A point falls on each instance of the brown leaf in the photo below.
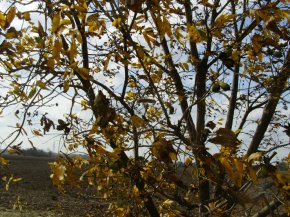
(137, 121)
(225, 137)
(164, 151)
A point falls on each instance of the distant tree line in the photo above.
(37, 153)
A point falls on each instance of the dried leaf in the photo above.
(240, 172)
(32, 92)
(2, 20)
(84, 73)
(188, 161)
(55, 23)
(41, 84)
(164, 151)
(66, 86)
(255, 156)
(17, 180)
(4, 162)
(10, 16)
(194, 34)
(225, 137)
(137, 121)
(26, 16)
(227, 165)
(56, 50)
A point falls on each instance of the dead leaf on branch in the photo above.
(133, 5)
(137, 121)
(46, 123)
(163, 150)
(255, 156)
(104, 113)
(225, 137)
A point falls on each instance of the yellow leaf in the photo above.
(223, 19)
(84, 73)
(225, 162)
(66, 86)
(41, 84)
(74, 65)
(168, 202)
(255, 156)
(117, 22)
(56, 50)
(2, 20)
(237, 131)
(10, 16)
(167, 27)
(239, 165)
(179, 36)
(26, 16)
(140, 52)
(50, 63)
(136, 190)
(81, 8)
(260, 56)
(55, 23)
(251, 55)
(194, 34)
(188, 161)
(147, 38)
(58, 173)
(207, 4)
(11, 34)
(240, 170)
(73, 49)
(65, 22)
(131, 95)
(137, 121)
(17, 180)
(173, 155)
(164, 151)
(32, 92)
(106, 62)
(3, 161)
(93, 17)
(12, 151)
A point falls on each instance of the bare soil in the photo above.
(37, 196)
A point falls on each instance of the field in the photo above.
(35, 195)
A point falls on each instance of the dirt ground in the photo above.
(35, 195)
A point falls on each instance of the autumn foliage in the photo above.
(149, 84)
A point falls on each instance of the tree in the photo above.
(159, 81)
